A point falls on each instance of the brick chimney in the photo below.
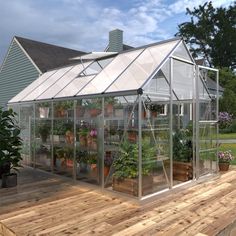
(115, 40)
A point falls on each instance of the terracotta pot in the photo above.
(69, 163)
(132, 136)
(80, 111)
(109, 109)
(94, 112)
(69, 137)
(223, 166)
(106, 170)
(154, 113)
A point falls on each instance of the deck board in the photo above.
(46, 204)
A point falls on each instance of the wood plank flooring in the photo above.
(45, 204)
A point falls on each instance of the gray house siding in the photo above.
(16, 73)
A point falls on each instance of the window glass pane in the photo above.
(142, 68)
(41, 88)
(183, 80)
(110, 73)
(182, 52)
(20, 96)
(63, 81)
(75, 86)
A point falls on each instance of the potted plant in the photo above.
(225, 157)
(83, 134)
(92, 139)
(182, 155)
(125, 177)
(10, 147)
(62, 107)
(82, 161)
(43, 129)
(94, 107)
(109, 103)
(92, 161)
(107, 163)
(154, 108)
(44, 110)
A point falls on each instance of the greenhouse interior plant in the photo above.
(125, 166)
(10, 147)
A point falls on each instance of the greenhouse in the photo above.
(139, 122)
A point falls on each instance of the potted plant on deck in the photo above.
(125, 177)
(10, 146)
(225, 157)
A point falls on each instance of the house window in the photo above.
(163, 110)
(178, 109)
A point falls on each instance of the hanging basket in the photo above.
(223, 166)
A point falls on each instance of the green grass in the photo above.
(227, 136)
(229, 146)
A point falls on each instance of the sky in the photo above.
(84, 24)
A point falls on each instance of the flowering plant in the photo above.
(225, 156)
(225, 120)
(93, 133)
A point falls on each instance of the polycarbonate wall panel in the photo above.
(142, 68)
(44, 86)
(63, 81)
(75, 86)
(20, 96)
(183, 75)
(110, 73)
(182, 52)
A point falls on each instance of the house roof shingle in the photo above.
(48, 56)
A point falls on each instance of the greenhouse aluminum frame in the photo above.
(163, 71)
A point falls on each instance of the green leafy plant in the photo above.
(126, 164)
(182, 145)
(10, 141)
(43, 128)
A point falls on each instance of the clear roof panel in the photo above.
(109, 74)
(75, 86)
(63, 81)
(20, 96)
(182, 52)
(141, 69)
(44, 86)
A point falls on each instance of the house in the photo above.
(138, 122)
(26, 60)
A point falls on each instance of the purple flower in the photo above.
(225, 156)
(93, 133)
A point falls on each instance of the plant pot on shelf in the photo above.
(83, 141)
(94, 112)
(109, 109)
(223, 166)
(9, 180)
(80, 111)
(130, 185)
(93, 171)
(69, 137)
(132, 136)
(43, 112)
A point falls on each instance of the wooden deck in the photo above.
(44, 204)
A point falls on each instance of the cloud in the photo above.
(84, 24)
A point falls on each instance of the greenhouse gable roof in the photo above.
(127, 71)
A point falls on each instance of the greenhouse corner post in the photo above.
(139, 147)
(194, 123)
(171, 123)
(102, 142)
(196, 119)
(52, 137)
(34, 134)
(217, 117)
(74, 153)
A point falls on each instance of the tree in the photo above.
(211, 34)
(228, 101)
